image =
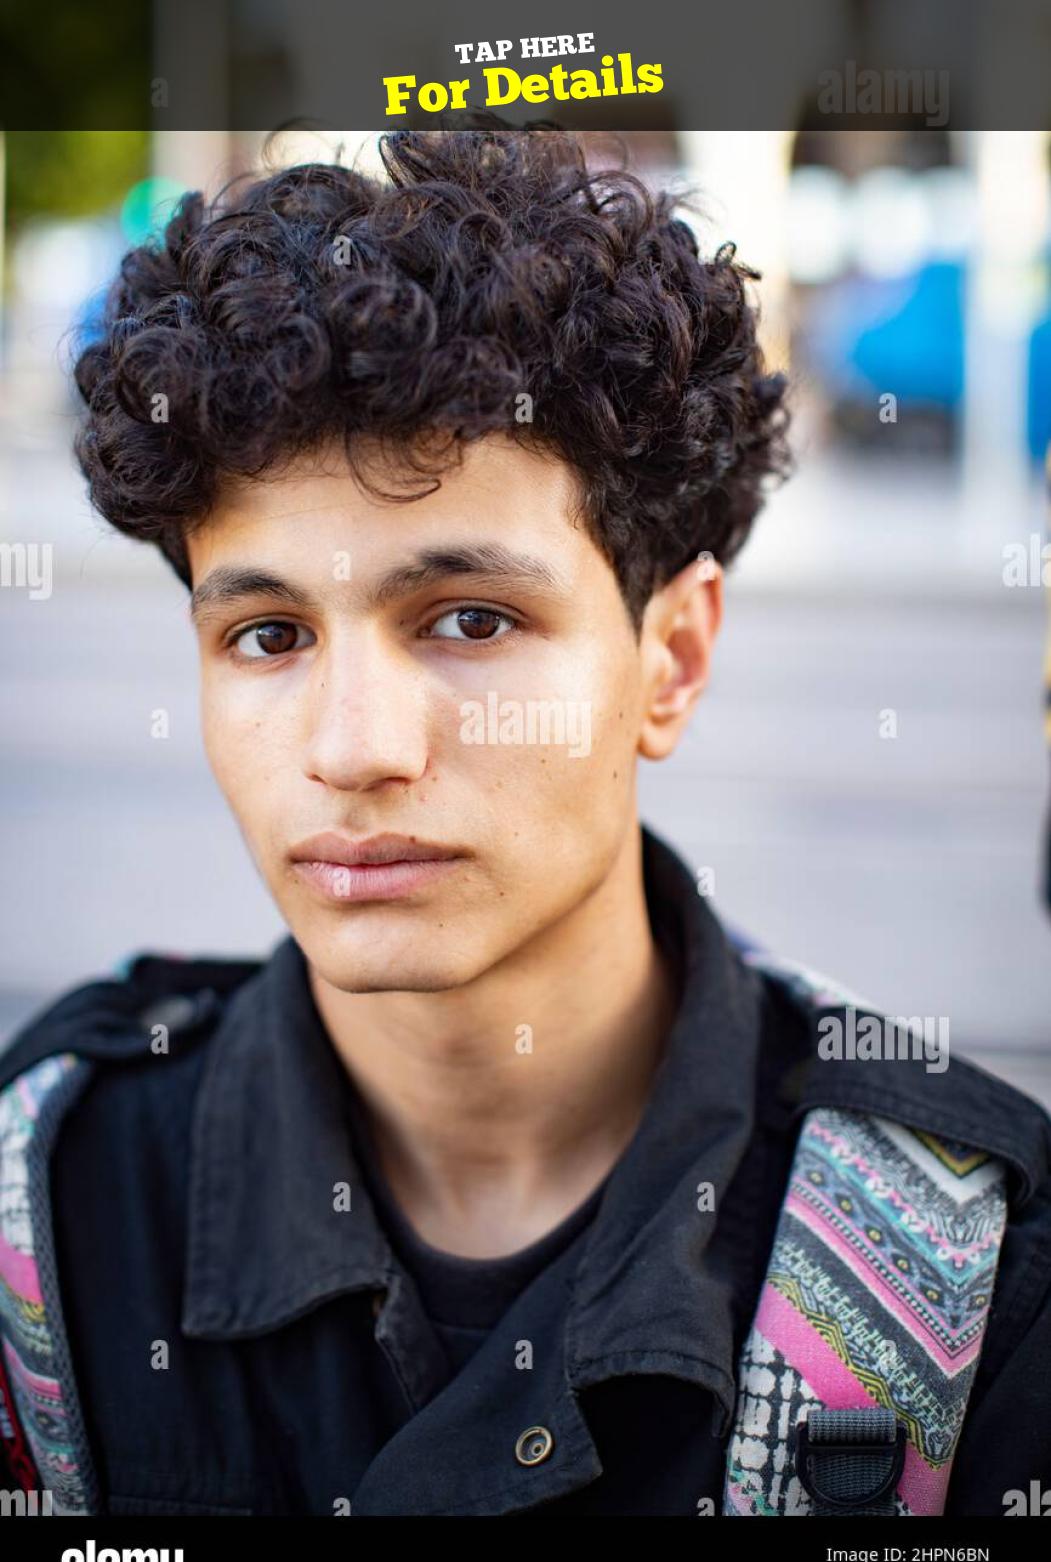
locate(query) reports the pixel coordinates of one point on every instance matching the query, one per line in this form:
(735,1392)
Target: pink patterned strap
(38,1406)
(877,1293)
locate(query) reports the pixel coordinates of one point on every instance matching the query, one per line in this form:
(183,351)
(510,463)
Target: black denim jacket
(192,1206)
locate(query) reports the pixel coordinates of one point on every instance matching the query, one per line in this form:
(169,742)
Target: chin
(410,977)
(421,968)
(412,983)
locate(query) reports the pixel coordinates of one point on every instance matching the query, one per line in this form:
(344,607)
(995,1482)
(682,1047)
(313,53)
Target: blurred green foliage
(71,173)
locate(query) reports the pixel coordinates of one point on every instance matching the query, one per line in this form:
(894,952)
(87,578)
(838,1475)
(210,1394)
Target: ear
(679,628)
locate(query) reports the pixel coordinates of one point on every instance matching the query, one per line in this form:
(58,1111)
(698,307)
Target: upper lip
(330,847)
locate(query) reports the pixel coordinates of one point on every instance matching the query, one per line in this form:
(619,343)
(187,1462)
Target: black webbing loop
(849,1461)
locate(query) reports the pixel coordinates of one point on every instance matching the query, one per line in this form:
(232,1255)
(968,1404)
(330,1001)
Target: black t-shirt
(463,1297)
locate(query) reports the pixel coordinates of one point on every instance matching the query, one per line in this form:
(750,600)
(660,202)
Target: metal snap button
(534,1445)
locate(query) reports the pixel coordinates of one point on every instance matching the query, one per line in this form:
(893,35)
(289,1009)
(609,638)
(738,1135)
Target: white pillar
(742,177)
(1003,299)
(198,159)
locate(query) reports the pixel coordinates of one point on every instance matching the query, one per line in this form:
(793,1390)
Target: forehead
(315,504)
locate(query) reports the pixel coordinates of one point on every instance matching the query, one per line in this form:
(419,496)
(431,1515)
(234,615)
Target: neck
(498,1106)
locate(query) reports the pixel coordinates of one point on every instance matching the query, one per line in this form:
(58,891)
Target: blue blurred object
(89,325)
(905,336)
(148,206)
(1038,397)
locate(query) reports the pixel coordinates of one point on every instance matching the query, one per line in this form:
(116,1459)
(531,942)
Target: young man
(462,1201)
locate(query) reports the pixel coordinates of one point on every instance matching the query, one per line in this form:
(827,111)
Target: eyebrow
(231,583)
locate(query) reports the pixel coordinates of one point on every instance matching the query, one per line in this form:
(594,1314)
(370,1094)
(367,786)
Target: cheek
(607,720)
(239,742)
(547,745)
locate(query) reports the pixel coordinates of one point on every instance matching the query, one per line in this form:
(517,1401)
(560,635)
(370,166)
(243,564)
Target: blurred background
(866,781)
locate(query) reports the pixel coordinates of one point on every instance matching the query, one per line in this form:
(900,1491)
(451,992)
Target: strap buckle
(863,1434)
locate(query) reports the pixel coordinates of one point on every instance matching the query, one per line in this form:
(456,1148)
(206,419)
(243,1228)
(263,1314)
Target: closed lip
(376,849)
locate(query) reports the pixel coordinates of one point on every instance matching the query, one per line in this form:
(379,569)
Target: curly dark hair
(318,302)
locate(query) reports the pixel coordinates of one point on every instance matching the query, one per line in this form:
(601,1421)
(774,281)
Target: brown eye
(472,623)
(263,640)
(477,624)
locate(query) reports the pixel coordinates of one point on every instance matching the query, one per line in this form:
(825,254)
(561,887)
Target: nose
(364,714)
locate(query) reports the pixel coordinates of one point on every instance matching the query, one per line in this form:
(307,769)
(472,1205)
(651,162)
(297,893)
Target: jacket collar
(659,1217)
(270,1154)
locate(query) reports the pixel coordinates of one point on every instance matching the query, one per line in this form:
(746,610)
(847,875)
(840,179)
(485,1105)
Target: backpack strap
(873,1309)
(42,1438)
(43,1442)
(854,1379)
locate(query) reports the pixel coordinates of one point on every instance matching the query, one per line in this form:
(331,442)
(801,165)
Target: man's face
(458,672)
